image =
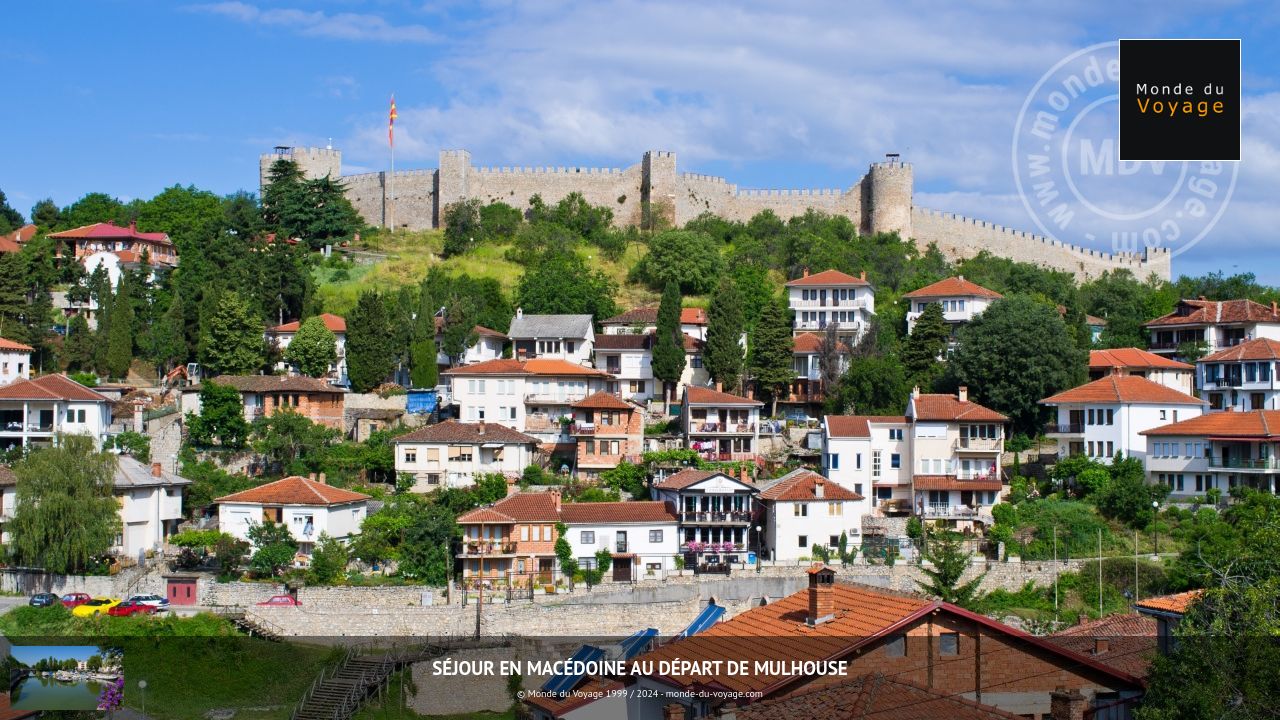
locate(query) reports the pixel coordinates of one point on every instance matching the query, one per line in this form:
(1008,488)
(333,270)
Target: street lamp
(142,686)
(759,547)
(1155,517)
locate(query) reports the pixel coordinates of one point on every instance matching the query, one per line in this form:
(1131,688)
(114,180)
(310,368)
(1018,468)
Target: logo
(1067,167)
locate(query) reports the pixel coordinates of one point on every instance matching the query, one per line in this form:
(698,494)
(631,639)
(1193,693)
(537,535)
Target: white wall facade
(305,522)
(441,464)
(14,365)
(143,512)
(1109,428)
(956,309)
(634,373)
(815,306)
(655,544)
(793,527)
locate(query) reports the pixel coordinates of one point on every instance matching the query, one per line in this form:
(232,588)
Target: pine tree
(723,352)
(950,559)
(771,357)
(370,347)
(668,346)
(120,336)
(231,343)
(168,339)
(13,295)
(927,343)
(77,350)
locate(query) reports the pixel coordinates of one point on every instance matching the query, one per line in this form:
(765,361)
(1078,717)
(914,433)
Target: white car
(155,601)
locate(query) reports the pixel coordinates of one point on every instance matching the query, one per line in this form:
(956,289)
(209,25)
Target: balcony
(31,427)
(728,456)
(582,429)
(947,511)
(716,428)
(859,304)
(542,423)
(984,445)
(1064,429)
(554,398)
(731,517)
(846,328)
(488,548)
(1260,464)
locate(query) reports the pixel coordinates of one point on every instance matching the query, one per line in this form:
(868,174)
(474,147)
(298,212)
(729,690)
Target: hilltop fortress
(881,201)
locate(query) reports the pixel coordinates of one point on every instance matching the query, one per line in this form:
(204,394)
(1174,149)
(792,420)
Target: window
(411,456)
(895,433)
(835,541)
(433,479)
(896,646)
(1111,448)
(857,487)
(1091,417)
(588,537)
(875,463)
(835,461)
(895,460)
(695,361)
(1164,414)
(655,536)
(524,533)
(803,541)
(949,643)
(857,461)
(1111,416)
(835,508)
(546,533)
(801,510)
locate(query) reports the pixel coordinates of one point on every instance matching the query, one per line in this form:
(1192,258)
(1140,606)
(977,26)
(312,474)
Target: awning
(493,445)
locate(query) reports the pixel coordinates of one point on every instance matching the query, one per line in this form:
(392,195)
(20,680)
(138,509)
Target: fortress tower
(886,201)
(313,162)
(658,186)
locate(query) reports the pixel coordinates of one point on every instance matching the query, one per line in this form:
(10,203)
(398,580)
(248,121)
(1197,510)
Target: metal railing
(973,443)
(1064,429)
(1269,463)
(731,516)
(716,427)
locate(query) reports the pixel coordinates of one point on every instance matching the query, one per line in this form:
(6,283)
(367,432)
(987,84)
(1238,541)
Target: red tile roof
(1257,349)
(951,482)
(14,345)
(49,387)
(276,383)
(1177,604)
(1130,641)
(602,401)
(810,343)
(7,245)
(536,366)
(22,234)
(649,316)
(520,507)
(107,230)
(335,323)
(948,407)
(687,477)
(692,344)
(1132,358)
(489,332)
(872,696)
(592,689)
(623,341)
(802,485)
(294,490)
(859,425)
(708,396)
(828,278)
(1122,389)
(1204,312)
(604,513)
(953,287)
(1251,424)
(452,431)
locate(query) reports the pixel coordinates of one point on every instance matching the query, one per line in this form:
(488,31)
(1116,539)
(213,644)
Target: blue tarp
(421,402)
(561,684)
(637,643)
(708,617)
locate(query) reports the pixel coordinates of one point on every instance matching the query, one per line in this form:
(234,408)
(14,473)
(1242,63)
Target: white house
(1218,324)
(33,412)
(715,510)
(1217,450)
(452,454)
(719,425)
(282,335)
(1242,377)
(644,321)
(802,509)
(1133,361)
(956,451)
(559,337)
(807,392)
(961,300)
(15,361)
(308,508)
(488,345)
(869,455)
(8,499)
(641,536)
(832,297)
(150,505)
(1107,416)
(628,358)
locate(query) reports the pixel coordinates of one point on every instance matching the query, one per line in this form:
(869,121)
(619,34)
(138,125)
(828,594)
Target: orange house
(511,541)
(607,431)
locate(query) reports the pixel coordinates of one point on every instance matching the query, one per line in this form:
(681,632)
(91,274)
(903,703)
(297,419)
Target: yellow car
(96,606)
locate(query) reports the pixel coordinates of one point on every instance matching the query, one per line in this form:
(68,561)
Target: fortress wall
(615,188)
(697,194)
(413,192)
(958,237)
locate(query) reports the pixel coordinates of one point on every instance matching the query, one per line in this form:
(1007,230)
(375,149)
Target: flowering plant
(112,695)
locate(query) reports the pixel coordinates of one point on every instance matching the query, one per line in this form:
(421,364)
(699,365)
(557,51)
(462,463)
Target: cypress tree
(771,357)
(668,346)
(120,335)
(723,353)
(370,346)
(927,342)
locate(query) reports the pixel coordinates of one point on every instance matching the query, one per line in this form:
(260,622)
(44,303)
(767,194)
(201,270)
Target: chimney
(960,278)
(137,416)
(480,430)
(818,490)
(963,395)
(673,711)
(915,391)
(751,393)
(742,474)
(806,273)
(822,601)
(519,312)
(1066,704)
(1275,308)
(1101,645)
(156,470)
(321,479)
(863,276)
(719,386)
(555,497)
(1202,298)
(312,477)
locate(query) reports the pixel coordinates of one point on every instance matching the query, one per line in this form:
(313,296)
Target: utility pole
(1055,572)
(1099,572)
(480,584)
(1135,567)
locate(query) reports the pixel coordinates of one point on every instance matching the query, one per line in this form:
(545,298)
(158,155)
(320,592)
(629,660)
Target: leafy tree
(926,343)
(230,552)
(65,516)
(10,219)
(185,213)
(316,210)
(286,437)
(169,340)
(231,343)
(328,560)
(1015,353)
(690,259)
(77,348)
(314,348)
(723,355)
(596,494)
(562,283)
(46,215)
(626,477)
(133,444)
(1127,497)
(13,296)
(564,551)
(370,350)
(275,548)
(462,229)
(950,559)
(870,386)
(771,357)
(830,353)
(668,346)
(426,553)
(221,419)
(120,336)
(500,221)
(90,209)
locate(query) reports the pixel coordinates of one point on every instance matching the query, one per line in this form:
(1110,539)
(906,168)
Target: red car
(71,600)
(281,601)
(131,607)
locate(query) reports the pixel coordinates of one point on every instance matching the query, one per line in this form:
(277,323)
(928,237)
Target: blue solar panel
(563,683)
(637,643)
(708,617)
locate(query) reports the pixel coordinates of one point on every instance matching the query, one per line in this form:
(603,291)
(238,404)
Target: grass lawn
(390,707)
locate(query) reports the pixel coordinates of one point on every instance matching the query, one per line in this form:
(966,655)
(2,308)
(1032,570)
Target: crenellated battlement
(505,170)
(769,192)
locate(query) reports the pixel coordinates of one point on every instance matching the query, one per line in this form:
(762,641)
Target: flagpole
(391,137)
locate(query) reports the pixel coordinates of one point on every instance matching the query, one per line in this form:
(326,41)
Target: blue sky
(128,97)
(31,653)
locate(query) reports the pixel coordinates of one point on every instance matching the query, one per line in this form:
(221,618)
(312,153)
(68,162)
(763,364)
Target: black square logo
(1179,100)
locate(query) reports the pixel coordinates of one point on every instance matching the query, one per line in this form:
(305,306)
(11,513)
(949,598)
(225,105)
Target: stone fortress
(881,201)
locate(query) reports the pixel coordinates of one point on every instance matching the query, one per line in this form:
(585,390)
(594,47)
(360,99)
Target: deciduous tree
(314,348)
(231,343)
(221,419)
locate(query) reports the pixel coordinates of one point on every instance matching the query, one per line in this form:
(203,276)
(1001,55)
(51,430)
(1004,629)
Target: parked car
(155,601)
(132,607)
(95,606)
(44,600)
(281,601)
(72,600)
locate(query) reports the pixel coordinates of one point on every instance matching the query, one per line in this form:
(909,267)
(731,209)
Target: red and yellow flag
(391,123)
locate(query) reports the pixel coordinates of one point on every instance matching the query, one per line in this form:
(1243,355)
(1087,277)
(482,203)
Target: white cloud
(339,26)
